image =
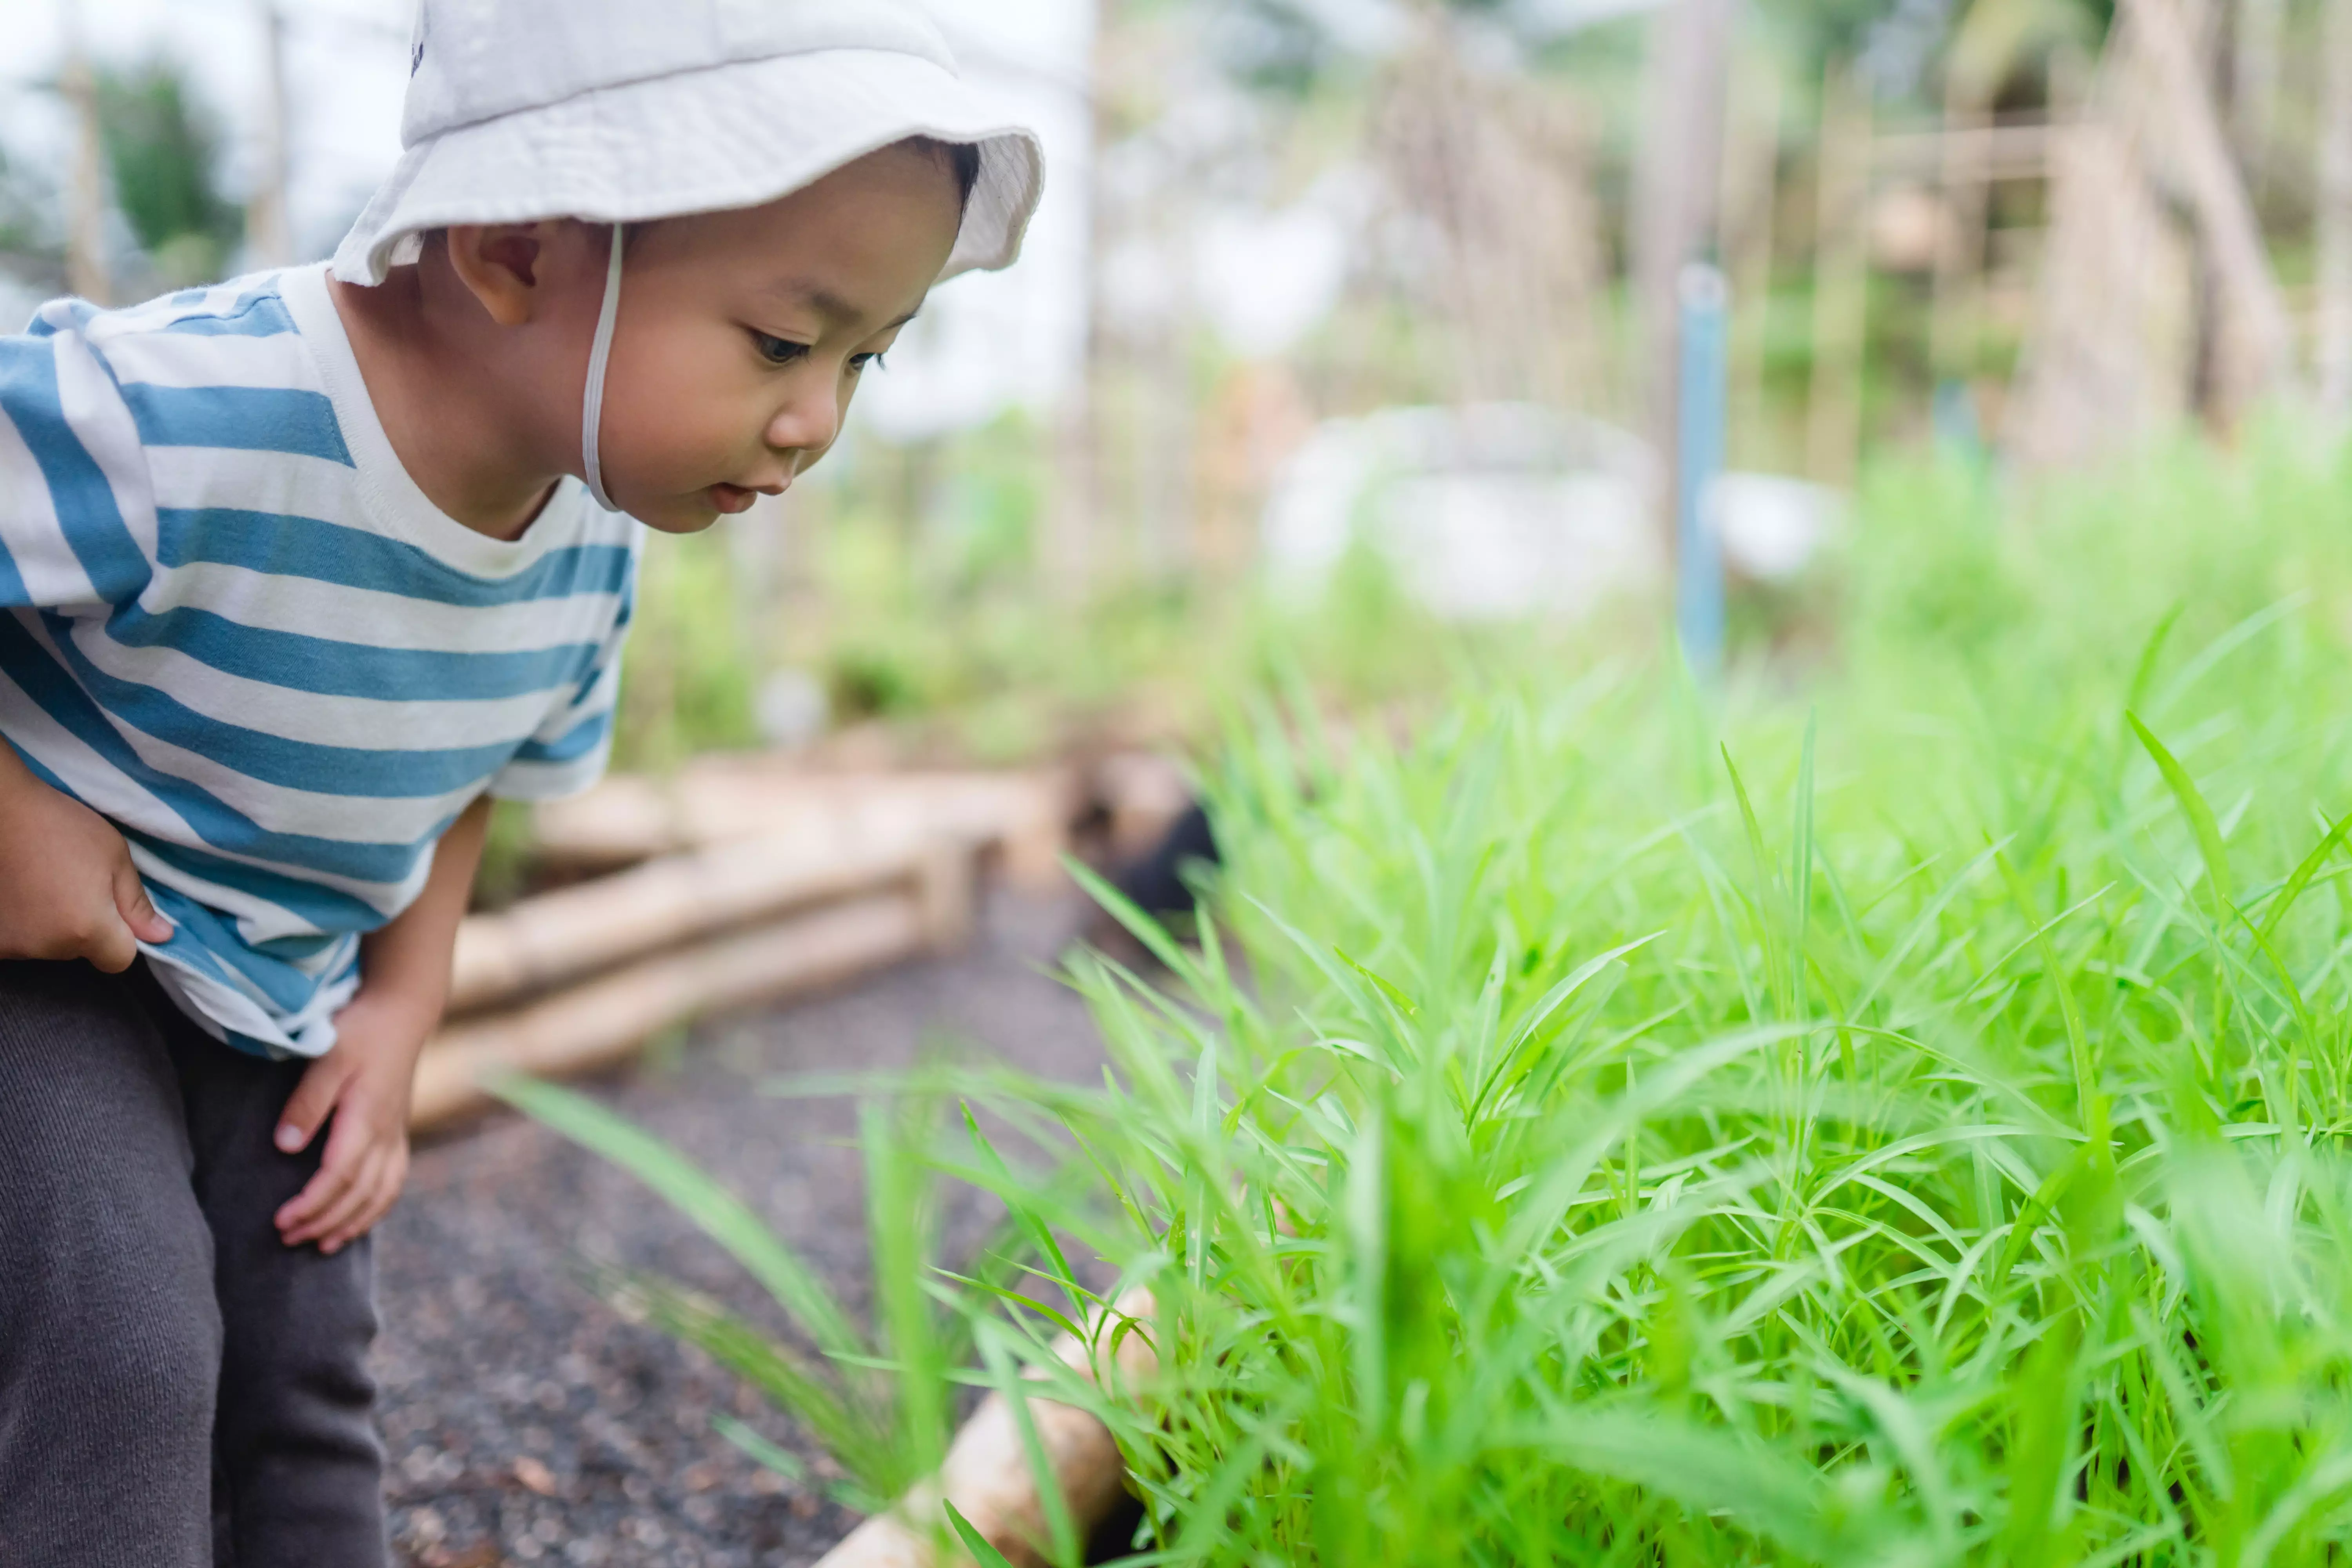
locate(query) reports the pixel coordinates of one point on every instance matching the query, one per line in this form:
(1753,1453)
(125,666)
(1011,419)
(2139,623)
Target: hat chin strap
(592,411)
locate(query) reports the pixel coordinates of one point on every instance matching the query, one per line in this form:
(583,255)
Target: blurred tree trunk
(86,268)
(1494,168)
(2139,313)
(2334,214)
(1840,279)
(1958,312)
(1074,505)
(2253,345)
(268,237)
(2107,359)
(2254,84)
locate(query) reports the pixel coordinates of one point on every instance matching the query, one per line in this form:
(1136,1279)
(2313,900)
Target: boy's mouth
(732,498)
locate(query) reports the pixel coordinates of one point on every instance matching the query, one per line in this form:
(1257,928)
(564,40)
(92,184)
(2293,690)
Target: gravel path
(524,1420)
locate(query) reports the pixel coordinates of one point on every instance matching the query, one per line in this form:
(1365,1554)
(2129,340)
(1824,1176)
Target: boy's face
(742,335)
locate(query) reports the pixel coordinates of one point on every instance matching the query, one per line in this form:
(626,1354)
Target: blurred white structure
(1492,512)
(1772,525)
(1504,510)
(1267,279)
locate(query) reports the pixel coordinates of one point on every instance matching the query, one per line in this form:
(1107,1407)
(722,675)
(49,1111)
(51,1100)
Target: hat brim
(726,136)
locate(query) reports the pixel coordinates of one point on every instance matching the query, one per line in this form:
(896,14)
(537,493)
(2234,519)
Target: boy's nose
(807,423)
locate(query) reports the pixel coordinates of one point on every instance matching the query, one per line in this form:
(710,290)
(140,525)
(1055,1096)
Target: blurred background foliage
(163,155)
(1296,213)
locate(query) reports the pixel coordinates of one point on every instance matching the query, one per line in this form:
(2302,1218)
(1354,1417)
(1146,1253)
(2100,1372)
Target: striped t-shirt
(232,623)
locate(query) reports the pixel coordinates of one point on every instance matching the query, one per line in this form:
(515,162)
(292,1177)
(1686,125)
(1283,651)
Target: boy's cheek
(661,470)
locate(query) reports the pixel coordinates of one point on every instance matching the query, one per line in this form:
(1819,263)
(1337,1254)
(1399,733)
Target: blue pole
(1701,299)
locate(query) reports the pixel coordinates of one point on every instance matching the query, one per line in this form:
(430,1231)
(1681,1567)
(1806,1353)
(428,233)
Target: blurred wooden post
(1956,317)
(2334,214)
(1751,191)
(268,237)
(2256,349)
(1841,280)
(1676,187)
(1073,503)
(86,270)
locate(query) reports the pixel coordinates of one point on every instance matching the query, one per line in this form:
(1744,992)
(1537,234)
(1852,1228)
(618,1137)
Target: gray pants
(177,1387)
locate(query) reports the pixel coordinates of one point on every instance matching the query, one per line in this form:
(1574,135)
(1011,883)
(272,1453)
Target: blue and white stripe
(230,622)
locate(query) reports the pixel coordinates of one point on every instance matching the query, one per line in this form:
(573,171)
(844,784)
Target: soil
(526,1421)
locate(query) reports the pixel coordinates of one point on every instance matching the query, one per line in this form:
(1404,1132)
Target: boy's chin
(688,514)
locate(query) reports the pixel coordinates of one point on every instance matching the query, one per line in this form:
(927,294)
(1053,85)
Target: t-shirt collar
(393,498)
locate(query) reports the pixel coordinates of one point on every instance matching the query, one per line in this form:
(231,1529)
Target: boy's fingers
(137,909)
(359,1223)
(385,1192)
(299,1218)
(322,1086)
(328,1226)
(342,1170)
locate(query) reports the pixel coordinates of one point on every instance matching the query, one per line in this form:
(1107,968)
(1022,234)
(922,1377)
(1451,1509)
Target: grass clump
(1900,1124)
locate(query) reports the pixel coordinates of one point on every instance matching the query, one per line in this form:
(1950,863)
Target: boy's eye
(858,363)
(778,351)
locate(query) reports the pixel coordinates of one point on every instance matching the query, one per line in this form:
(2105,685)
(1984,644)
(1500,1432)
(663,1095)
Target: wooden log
(601,1021)
(576,930)
(945,897)
(624,818)
(1025,816)
(1143,793)
(1972,144)
(987,1474)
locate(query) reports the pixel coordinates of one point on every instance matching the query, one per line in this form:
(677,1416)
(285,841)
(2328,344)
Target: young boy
(295,573)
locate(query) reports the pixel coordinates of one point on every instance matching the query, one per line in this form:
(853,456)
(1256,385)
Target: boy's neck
(464,433)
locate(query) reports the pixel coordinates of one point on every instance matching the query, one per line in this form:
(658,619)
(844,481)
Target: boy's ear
(499,265)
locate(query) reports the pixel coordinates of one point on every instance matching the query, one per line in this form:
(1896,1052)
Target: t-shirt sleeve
(568,751)
(74,500)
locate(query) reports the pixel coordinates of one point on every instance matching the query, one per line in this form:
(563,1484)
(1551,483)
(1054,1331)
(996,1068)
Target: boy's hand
(72,890)
(365,1081)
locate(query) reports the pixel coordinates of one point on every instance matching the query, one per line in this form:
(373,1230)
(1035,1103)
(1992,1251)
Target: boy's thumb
(308,1106)
(138,910)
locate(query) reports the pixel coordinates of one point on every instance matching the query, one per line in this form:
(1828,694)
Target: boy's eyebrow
(824,302)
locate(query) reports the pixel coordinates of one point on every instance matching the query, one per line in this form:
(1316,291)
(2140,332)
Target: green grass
(1892,1117)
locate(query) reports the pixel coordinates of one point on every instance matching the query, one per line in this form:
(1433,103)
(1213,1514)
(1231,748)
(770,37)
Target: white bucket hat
(622,111)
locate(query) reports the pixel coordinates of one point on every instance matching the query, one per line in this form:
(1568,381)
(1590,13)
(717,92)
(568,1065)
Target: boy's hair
(960,159)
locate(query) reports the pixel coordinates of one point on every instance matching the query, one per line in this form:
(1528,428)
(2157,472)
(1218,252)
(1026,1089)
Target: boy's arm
(365,1080)
(67,887)
(72,891)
